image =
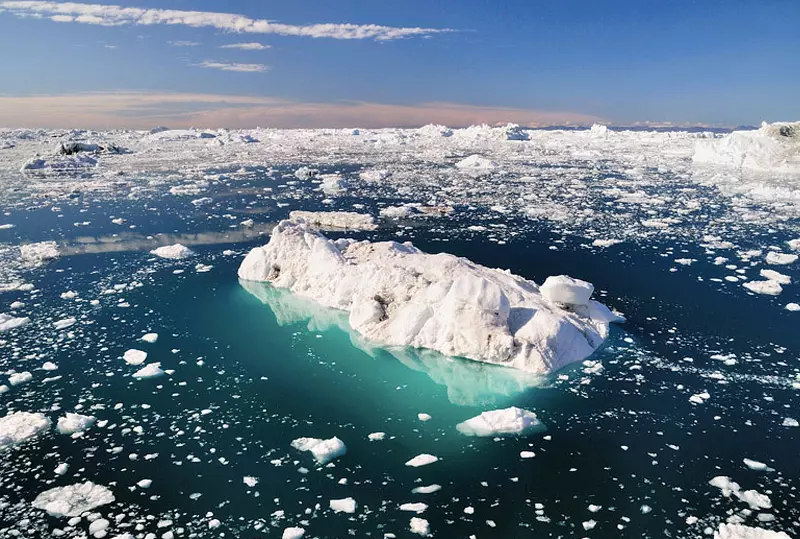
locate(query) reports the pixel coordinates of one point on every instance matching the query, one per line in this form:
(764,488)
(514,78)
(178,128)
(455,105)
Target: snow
(740,531)
(173,252)
(72,423)
(422,460)
(8,322)
(19,427)
(336,220)
(781,259)
(72,500)
(344,505)
(511,420)
(396,295)
(293,533)
(420,526)
(323,451)
(767,288)
(134,356)
(153,370)
(772,148)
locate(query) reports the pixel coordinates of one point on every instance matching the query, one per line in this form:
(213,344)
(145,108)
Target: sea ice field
(371,333)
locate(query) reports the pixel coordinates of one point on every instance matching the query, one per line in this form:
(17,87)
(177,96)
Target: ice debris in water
(173,252)
(345,505)
(20,378)
(72,500)
(429,489)
(153,370)
(134,356)
(740,531)
(729,488)
(64,323)
(36,254)
(149,337)
(511,420)
(73,423)
(397,295)
(780,259)
(293,533)
(337,220)
(420,526)
(323,451)
(768,287)
(774,148)
(422,460)
(8,322)
(19,427)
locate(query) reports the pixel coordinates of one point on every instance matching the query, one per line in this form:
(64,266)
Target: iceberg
(772,148)
(72,500)
(397,295)
(323,451)
(74,423)
(8,322)
(173,252)
(19,427)
(740,531)
(509,421)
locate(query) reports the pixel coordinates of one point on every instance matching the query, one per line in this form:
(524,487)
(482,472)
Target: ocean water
(250,368)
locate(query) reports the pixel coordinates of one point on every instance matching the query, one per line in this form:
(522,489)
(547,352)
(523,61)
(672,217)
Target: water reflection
(469,383)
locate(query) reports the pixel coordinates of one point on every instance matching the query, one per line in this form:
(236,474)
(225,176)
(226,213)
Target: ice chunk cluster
(19,427)
(324,451)
(774,148)
(511,420)
(397,295)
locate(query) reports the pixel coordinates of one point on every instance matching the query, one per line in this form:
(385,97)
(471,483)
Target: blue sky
(531,61)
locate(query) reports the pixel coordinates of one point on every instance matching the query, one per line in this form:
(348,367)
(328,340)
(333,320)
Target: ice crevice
(397,295)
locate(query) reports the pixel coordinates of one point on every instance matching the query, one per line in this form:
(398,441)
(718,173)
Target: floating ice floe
(134,356)
(781,259)
(74,423)
(429,489)
(511,420)
(72,500)
(336,220)
(397,295)
(59,164)
(740,531)
(773,148)
(323,451)
(417,507)
(153,370)
(345,505)
(19,427)
(36,254)
(420,526)
(729,488)
(767,288)
(773,275)
(64,323)
(19,378)
(422,460)
(8,322)
(173,252)
(376,436)
(293,533)
(149,337)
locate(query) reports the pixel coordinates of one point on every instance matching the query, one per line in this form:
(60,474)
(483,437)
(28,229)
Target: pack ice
(774,147)
(72,500)
(397,295)
(19,427)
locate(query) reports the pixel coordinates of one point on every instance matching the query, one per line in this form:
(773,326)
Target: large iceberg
(397,295)
(774,147)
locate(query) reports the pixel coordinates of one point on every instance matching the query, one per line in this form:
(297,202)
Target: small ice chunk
(423,417)
(773,275)
(794,307)
(149,337)
(49,366)
(323,451)
(173,252)
(420,526)
(376,436)
(567,290)
(344,505)
(527,454)
(429,489)
(755,465)
(250,481)
(64,323)
(422,460)
(293,533)
(511,420)
(72,500)
(134,357)
(144,483)
(99,525)
(768,287)
(153,370)
(781,259)
(417,507)
(790,422)
(62,468)
(589,524)
(20,378)
(73,423)
(8,322)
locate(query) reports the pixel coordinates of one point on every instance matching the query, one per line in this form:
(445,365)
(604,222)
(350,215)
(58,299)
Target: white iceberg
(134,356)
(397,295)
(153,370)
(173,252)
(36,254)
(345,505)
(72,500)
(740,531)
(8,322)
(772,148)
(73,423)
(422,460)
(336,220)
(420,526)
(19,427)
(323,451)
(511,420)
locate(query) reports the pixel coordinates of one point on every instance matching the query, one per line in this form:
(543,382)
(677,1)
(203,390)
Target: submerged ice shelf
(396,295)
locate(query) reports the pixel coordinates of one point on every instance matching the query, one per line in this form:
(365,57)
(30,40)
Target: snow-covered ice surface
(699,383)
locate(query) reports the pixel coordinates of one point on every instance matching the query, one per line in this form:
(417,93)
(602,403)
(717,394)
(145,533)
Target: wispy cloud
(137,110)
(226,66)
(246,46)
(112,15)
(184,43)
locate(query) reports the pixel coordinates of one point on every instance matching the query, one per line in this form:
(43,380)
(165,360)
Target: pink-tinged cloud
(133,110)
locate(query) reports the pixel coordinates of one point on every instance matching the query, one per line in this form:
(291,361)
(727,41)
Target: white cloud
(241,68)
(184,43)
(111,15)
(246,46)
